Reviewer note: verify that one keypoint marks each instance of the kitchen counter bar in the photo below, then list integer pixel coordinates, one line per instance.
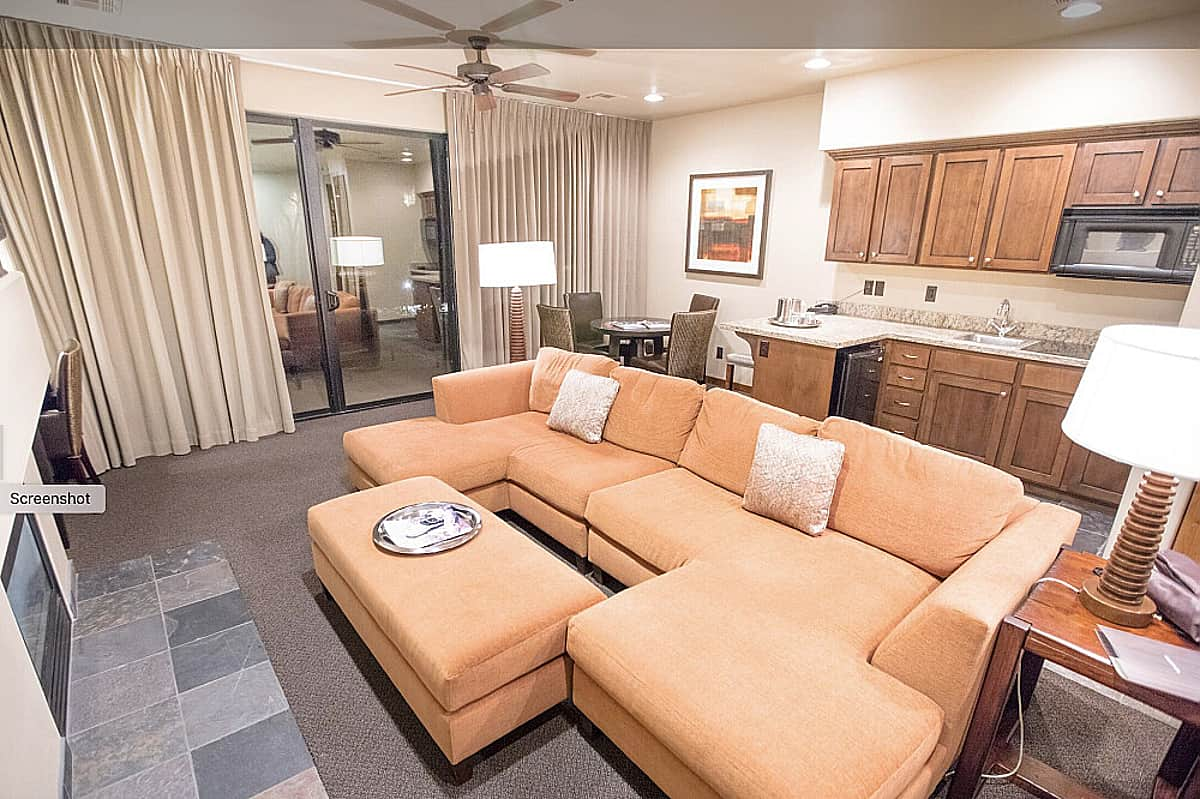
(837, 331)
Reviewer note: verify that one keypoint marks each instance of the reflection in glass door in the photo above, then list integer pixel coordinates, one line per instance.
(372, 235)
(288, 263)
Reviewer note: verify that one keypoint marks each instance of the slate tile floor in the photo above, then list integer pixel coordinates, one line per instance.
(172, 693)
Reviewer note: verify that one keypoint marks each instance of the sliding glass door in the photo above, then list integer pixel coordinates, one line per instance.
(355, 225)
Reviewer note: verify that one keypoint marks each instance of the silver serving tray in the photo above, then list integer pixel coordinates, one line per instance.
(797, 326)
(427, 527)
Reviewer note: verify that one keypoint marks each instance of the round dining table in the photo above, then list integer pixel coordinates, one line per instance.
(624, 339)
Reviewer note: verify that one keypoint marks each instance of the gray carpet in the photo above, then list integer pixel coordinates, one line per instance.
(252, 498)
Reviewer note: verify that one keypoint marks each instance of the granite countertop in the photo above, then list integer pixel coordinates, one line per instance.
(846, 331)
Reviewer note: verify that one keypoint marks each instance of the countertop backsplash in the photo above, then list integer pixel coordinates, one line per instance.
(1063, 334)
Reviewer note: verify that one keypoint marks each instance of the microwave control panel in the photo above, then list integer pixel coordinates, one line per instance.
(1190, 259)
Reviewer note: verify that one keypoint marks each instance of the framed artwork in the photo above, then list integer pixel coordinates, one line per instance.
(727, 223)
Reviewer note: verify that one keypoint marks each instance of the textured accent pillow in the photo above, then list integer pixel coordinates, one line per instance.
(582, 405)
(793, 477)
(279, 295)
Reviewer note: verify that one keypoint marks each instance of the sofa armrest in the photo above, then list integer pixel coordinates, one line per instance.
(943, 646)
(486, 393)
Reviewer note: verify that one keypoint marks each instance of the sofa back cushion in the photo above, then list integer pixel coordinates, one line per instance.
(298, 297)
(552, 366)
(653, 413)
(932, 508)
(721, 446)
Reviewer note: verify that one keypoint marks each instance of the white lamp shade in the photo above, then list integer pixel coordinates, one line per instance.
(1138, 398)
(517, 263)
(357, 250)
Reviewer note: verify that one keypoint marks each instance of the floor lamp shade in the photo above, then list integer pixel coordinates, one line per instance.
(512, 265)
(1136, 404)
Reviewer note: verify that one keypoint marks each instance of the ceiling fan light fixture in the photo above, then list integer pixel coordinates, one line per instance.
(654, 97)
(818, 62)
(1078, 9)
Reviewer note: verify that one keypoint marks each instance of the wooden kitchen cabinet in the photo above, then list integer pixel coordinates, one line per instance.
(964, 415)
(1034, 447)
(1029, 201)
(851, 209)
(899, 208)
(1112, 172)
(960, 197)
(1094, 476)
(1176, 177)
(794, 376)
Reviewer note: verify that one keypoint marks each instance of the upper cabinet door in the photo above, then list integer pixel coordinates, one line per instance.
(1112, 172)
(1177, 176)
(1029, 203)
(958, 207)
(899, 208)
(854, 182)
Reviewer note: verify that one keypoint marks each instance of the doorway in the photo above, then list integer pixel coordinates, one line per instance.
(355, 225)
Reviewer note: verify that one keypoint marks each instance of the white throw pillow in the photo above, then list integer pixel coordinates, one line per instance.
(582, 405)
(793, 477)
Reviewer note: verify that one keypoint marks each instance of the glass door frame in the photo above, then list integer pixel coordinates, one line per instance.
(311, 187)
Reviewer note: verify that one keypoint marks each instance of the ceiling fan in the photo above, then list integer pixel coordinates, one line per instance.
(480, 76)
(326, 140)
(487, 33)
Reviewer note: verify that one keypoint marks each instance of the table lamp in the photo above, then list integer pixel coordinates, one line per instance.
(357, 253)
(512, 265)
(1137, 404)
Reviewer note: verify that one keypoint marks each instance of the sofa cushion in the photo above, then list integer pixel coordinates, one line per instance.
(778, 705)
(933, 508)
(668, 518)
(721, 445)
(466, 456)
(582, 405)
(551, 367)
(564, 471)
(792, 478)
(653, 413)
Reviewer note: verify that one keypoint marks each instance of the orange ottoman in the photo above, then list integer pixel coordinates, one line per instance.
(473, 637)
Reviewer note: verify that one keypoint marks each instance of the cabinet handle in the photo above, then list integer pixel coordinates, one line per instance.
(906, 377)
(1160, 193)
(1136, 194)
(987, 260)
(1004, 393)
(970, 259)
(861, 254)
(908, 355)
(900, 433)
(874, 253)
(902, 404)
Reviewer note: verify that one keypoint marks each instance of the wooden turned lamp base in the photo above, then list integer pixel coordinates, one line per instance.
(1118, 595)
(517, 351)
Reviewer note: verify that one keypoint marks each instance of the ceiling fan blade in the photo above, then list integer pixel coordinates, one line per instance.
(476, 55)
(415, 14)
(397, 44)
(521, 44)
(423, 89)
(523, 72)
(430, 71)
(287, 140)
(485, 102)
(356, 148)
(532, 9)
(538, 91)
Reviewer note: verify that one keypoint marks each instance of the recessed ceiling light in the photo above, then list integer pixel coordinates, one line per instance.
(405, 153)
(653, 97)
(819, 62)
(1077, 9)
(406, 160)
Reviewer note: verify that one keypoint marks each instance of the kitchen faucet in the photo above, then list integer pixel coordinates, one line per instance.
(1002, 322)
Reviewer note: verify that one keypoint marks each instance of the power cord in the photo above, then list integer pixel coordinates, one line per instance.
(1021, 739)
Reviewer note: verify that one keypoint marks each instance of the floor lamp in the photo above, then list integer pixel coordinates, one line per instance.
(511, 265)
(357, 253)
(1137, 404)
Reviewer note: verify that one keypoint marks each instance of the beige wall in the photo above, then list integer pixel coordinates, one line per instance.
(781, 136)
(293, 92)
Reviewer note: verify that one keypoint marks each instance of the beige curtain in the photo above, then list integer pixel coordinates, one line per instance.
(531, 171)
(125, 187)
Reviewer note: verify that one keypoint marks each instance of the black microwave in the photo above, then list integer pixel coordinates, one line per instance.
(1151, 245)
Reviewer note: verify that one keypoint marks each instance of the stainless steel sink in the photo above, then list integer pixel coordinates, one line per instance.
(1004, 342)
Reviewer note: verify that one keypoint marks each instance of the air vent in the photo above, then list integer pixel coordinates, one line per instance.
(103, 6)
(601, 96)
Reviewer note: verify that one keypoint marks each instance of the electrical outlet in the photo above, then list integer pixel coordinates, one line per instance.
(931, 294)
(878, 288)
(720, 353)
(868, 287)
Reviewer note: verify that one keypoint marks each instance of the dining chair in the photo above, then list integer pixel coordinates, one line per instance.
(555, 324)
(703, 302)
(73, 463)
(586, 307)
(688, 354)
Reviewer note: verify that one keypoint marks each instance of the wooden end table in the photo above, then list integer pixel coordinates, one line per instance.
(1051, 625)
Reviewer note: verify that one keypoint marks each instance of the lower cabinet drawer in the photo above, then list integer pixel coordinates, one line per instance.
(897, 424)
(906, 377)
(900, 402)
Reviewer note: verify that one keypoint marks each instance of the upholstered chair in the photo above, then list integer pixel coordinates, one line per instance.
(688, 354)
(585, 308)
(556, 327)
(703, 302)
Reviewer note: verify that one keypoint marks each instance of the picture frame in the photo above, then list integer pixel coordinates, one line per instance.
(727, 223)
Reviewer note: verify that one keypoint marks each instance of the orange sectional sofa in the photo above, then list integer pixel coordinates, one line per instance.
(747, 659)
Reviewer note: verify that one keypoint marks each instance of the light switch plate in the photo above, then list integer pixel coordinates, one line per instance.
(931, 294)
(720, 352)
(878, 288)
(868, 287)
